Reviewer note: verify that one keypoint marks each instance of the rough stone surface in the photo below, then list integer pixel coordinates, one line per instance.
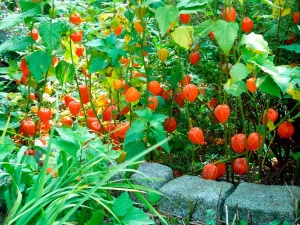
(187, 192)
(262, 203)
(159, 175)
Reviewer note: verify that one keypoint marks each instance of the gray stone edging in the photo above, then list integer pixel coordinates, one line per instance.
(191, 197)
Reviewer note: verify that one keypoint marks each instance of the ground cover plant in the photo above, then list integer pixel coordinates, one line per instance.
(210, 88)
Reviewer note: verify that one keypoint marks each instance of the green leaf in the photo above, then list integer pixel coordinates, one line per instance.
(153, 197)
(292, 48)
(239, 72)
(267, 85)
(146, 114)
(203, 29)
(29, 4)
(14, 19)
(97, 64)
(225, 34)
(66, 144)
(50, 35)
(165, 16)
(16, 45)
(122, 204)
(184, 36)
(65, 72)
(135, 132)
(159, 118)
(39, 63)
(175, 76)
(6, 147)
(95, 43)
(134, 148)
(255, 42)
(191, 6)
(97, 218)
(235, 88)
(136, 216)
(159, 134)
(281, 75)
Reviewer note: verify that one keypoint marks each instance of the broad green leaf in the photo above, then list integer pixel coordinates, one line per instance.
(135, 132)
(239, 72)
(149, 2)
(175, 76)
(203, 29)
(159, 118)
(134, 148)
(266, 84)
(136, 216)
(98, 64)
(39, 63)
(122, 204)
(29, 4)
(65, 72)
(159, 134)
(184, 36)
(14, 121)
(255, 42)
(191, 10)
(97, 218)
(153, 197)
(225, 34)
(14, 19)
(191, 6)
(235, 88)
(165, 16)
(281, 75)
(292, 48)
(16, 45)
(146, 114)
(6, 147)
(66, 144)
(95, 43)
(50, 35)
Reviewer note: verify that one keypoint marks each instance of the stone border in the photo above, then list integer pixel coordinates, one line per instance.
(192, 196)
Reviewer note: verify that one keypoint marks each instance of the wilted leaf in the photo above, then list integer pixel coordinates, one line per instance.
(255, 42)
(184, 36)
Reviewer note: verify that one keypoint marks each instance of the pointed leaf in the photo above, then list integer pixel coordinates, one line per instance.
(14, 19)
(203, 29)
(98, 63)
(134, 148)
(66, 144)
(191, 6)
(135, 132)
(50, 35)
(146, 114)
(239, 72)
(225, 34)
(292, 48)
(184, 36)
(65, 72)
(122, 204)
(39, 63)
(136, 216)
(165, 16)
(267, 85)
(235, 88)
(16, 45)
